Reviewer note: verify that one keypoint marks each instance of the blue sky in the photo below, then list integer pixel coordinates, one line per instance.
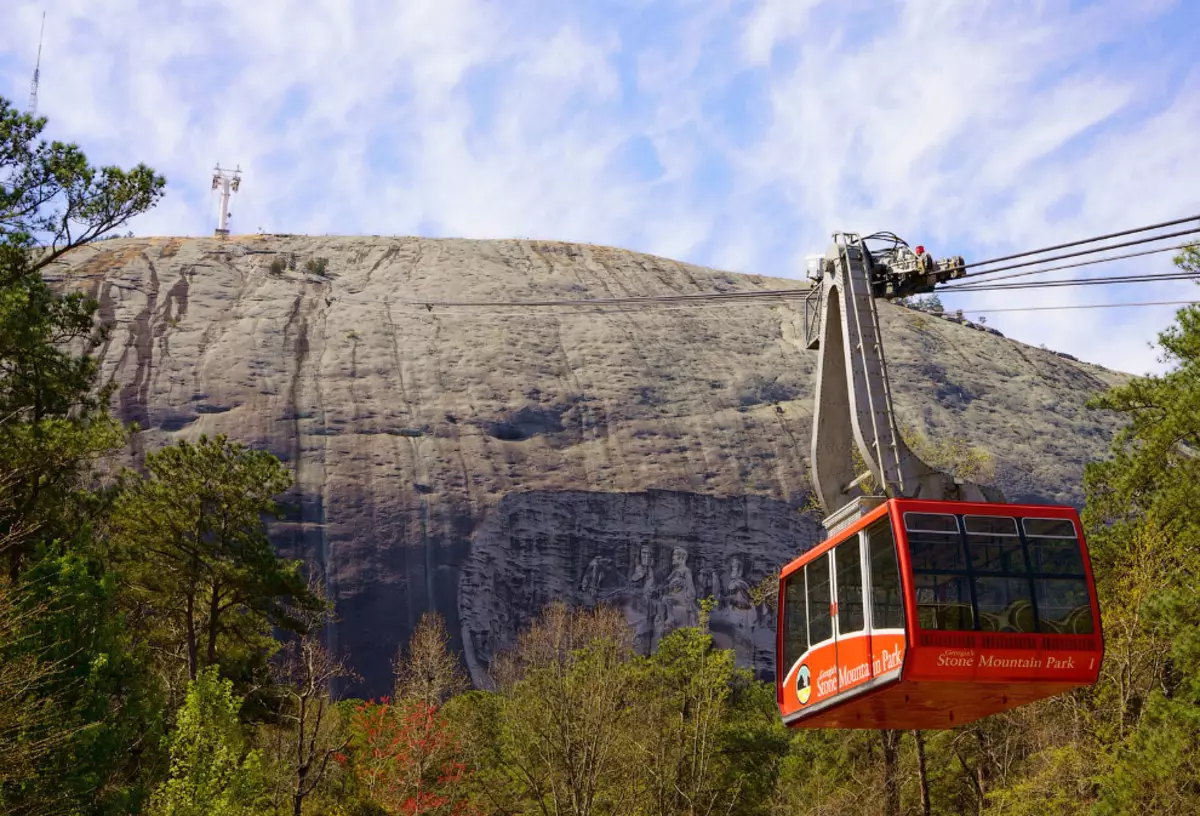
(730, 133)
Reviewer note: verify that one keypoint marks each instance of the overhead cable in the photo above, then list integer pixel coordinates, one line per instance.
(1082, 241)
(1077, 306)
(954, 286)
(1091, 251)
(1050, 284)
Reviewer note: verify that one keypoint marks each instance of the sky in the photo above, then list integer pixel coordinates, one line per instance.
(738, 134)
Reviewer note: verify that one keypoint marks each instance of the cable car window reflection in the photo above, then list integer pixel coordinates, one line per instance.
(994, 544)
(1063, 606)
(934, 542)
(939, 571)
(795, 621)
(887, 599)
(1053, 547)
(1059, 579)
(1003, 594)
(848, 563)
(943, 602)
(820, 621)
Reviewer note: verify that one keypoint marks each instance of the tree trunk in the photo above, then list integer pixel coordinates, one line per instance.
(891, 771)
(919, 738)
(191, 634)
(214, 611)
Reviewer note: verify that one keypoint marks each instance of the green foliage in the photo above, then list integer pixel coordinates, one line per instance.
(711, 735)
(926, 303)
(213, 772)
(1144, 515)
(317, 266)
(954, 455)
(107, 710)
(52, 198)
(202, 577)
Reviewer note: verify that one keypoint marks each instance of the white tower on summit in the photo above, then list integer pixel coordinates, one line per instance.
(228, 181)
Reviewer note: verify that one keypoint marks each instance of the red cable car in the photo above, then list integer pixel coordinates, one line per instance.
(932, 614)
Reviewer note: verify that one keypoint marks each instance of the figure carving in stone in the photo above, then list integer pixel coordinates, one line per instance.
(639, 599)
(740, 611)
(596, 584)
(643, 571)
(678, 607)
(738, 593)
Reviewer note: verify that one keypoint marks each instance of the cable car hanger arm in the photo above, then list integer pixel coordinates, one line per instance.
(853, 404)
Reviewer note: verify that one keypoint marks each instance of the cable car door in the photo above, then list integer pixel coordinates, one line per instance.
(853, 638)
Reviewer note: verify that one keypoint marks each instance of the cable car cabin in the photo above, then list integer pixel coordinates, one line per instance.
(927, 614)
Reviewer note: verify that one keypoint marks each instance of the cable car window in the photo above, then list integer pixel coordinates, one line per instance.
(1005, 605)
(943, 602)
(795, 620)
(887, 598)
(1003, 593)
(1049, 528)
(930, 523)
(940, 577)
(820, 621)
(848, 563)
(1060, 583)
(1053, 547)
(1063, 606)
(934, 542)
(994, 544)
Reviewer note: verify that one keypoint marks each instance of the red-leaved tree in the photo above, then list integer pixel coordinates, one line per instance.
(406, 759)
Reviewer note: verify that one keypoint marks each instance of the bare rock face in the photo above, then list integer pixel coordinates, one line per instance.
(482, 461)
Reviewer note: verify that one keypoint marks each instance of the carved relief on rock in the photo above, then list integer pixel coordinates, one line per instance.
(654, 556)
(678, 606)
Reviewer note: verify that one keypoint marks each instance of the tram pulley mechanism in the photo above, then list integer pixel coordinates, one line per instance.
(853, 404)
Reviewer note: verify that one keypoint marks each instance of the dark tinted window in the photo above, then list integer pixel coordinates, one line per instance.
(943, 602)
(848, 562)
(1050, 528)
(930, 523)
(1055, 556)
(795, 619)
(1005, 604)
(1003, 593)
(934, 542)
(939, 571)
(1053, 547)
(1063, 606)
(1059, 580)
(820, 622)
(994, 544)
(887, 602)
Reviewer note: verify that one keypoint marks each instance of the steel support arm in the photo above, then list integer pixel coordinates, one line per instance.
(853, 405)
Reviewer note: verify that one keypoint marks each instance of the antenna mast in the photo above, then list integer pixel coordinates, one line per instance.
(228, 181)
(37, 71)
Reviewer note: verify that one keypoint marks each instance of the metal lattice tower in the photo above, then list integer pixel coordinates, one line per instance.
(37, 71)
(228, 181)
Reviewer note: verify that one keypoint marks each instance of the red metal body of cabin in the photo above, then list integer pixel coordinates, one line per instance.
(934, 614)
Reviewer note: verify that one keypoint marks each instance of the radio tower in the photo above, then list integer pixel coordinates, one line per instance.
(228, 181)
(37, 71)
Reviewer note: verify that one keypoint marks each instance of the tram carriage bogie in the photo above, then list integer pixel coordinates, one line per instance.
(932, 614)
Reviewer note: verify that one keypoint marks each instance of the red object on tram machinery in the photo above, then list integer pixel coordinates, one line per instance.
(932, 614)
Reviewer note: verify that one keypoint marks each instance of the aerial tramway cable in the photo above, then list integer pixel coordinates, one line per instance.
(954, 286)
(1080, 252)
(1081, 242)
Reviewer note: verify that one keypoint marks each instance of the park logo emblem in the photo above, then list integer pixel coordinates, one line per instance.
(803, 685)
